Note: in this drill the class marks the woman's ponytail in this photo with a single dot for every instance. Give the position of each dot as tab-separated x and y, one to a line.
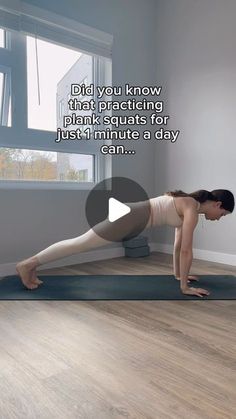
202	195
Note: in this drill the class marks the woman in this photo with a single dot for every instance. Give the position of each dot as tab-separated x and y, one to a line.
178	209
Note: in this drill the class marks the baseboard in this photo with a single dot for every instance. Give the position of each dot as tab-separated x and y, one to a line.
99	254
115	252
225	258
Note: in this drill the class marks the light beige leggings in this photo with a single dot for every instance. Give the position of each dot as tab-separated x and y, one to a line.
102	234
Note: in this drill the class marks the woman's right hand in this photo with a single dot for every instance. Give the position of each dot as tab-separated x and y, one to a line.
195	291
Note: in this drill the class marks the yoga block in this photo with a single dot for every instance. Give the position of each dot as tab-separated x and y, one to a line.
135	242
137	252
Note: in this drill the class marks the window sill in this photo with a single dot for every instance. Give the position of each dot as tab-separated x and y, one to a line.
36	185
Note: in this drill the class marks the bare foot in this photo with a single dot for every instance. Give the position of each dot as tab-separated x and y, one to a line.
27	274
35	278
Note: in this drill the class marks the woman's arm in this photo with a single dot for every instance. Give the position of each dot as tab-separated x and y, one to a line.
186	253
176	254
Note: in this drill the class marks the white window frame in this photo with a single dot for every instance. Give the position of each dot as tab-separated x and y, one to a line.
6	98
24	19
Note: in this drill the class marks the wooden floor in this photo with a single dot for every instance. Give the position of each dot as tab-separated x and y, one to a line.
119	359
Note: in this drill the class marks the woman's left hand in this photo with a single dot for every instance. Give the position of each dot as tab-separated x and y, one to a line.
190	278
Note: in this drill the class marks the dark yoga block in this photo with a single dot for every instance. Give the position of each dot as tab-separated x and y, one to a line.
139	241
137	252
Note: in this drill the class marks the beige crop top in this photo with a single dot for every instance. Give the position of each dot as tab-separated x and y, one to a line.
163	211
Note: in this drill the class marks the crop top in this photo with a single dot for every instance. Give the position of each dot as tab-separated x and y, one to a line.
163	211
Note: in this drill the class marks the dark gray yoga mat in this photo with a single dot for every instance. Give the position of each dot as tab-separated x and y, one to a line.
116	287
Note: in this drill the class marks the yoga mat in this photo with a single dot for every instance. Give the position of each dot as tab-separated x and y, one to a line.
116	287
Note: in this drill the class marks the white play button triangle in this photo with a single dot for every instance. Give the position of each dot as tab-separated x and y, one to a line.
124	197
116	209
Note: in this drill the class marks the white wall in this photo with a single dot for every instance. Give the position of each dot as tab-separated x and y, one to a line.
32	220
197	63
188	46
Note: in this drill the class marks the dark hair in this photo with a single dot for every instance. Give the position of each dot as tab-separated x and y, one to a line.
223	195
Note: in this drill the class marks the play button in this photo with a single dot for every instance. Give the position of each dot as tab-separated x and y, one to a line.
117	208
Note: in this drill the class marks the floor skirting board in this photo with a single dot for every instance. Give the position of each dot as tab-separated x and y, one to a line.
92	256
208	255
118	251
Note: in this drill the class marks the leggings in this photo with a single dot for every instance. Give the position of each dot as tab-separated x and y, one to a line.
102	234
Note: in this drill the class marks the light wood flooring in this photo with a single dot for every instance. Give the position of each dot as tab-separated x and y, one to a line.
119	359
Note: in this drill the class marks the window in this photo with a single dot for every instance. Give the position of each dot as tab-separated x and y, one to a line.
5	99
28	165
2	39
1	92
38	64
50	71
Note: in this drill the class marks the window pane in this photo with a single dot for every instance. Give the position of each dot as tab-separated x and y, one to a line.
22	164
5	100
58	68
1	94
2	39
9	114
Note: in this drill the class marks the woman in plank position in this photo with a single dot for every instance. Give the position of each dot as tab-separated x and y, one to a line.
177	209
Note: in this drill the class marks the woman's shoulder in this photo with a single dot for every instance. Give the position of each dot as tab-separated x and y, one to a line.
186	203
